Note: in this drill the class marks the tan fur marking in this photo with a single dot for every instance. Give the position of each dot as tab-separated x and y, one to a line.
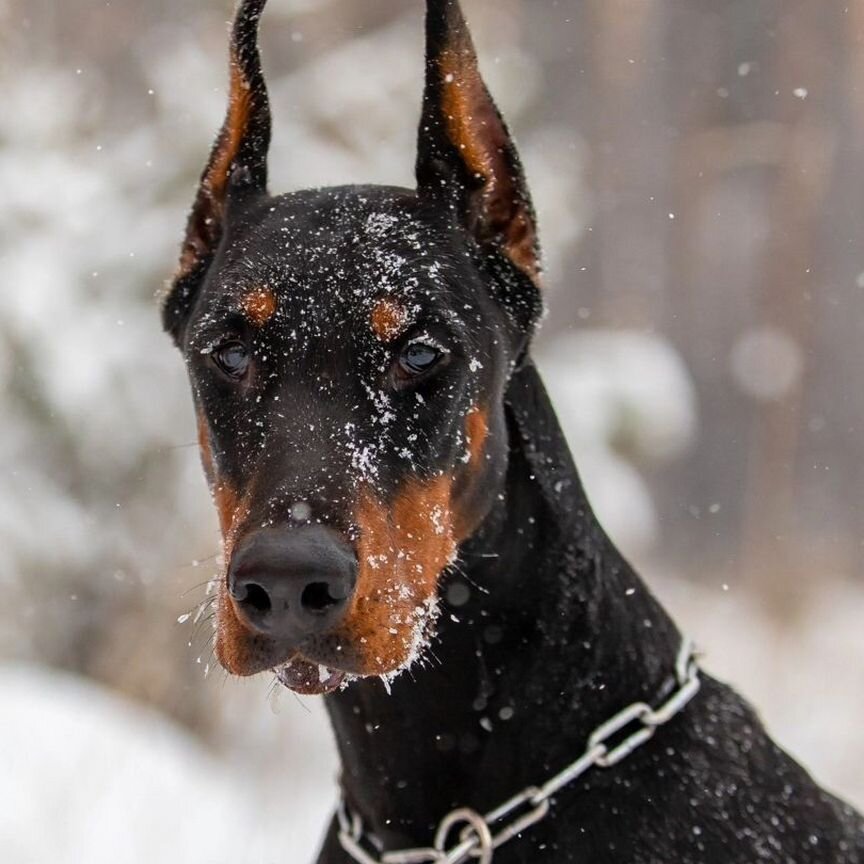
476	431
232	510
237	122
259	306
476	130
402	551
234	643
388	319
463	96
204	447
468	489
215	181
231	507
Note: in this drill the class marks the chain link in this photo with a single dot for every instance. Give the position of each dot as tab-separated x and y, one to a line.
481	835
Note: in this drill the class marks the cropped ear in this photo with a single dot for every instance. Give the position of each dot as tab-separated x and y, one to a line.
465	153
236	168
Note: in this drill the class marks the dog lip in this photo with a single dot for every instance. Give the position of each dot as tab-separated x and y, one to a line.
309	679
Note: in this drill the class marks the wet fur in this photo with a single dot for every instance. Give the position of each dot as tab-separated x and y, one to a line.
556	633
562	632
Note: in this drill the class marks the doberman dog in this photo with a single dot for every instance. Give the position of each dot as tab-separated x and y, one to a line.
404	529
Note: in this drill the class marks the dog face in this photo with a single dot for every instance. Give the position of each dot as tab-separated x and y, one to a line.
349	350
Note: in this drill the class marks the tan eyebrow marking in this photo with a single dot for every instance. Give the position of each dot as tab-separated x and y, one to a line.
388	319
259	306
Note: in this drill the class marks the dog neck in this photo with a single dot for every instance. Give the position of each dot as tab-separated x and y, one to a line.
545	632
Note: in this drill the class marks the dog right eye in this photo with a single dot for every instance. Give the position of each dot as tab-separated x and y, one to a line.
232	358
418	358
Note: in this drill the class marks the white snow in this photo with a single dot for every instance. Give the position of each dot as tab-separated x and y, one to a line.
89	778
119	784
102	496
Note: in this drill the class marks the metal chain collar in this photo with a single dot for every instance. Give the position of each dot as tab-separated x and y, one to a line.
477	839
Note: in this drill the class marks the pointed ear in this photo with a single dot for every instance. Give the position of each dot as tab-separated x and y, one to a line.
465	153
236	168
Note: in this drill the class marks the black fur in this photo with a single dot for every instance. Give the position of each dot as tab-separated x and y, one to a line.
552	632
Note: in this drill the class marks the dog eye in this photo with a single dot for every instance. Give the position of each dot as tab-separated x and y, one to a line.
419	357
232	358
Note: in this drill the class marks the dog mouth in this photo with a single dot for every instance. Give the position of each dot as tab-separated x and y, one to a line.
310	679
271	615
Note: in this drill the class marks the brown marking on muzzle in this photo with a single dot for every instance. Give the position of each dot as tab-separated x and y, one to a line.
388	319
476	433
402	550
204	448
233	510
259	306
239	651
231	507
468	491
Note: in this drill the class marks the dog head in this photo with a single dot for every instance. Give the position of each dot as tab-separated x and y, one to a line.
348	350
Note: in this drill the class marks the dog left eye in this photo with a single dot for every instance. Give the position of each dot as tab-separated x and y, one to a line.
232	358
419	357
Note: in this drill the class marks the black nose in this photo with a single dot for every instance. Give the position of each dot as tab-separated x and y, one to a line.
292	583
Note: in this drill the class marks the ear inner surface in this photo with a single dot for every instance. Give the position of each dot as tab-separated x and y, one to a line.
239	156
464	141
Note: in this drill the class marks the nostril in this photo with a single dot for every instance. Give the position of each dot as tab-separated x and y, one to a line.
317	597
290	584
254	596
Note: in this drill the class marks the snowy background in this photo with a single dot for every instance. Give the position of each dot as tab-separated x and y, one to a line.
698	171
